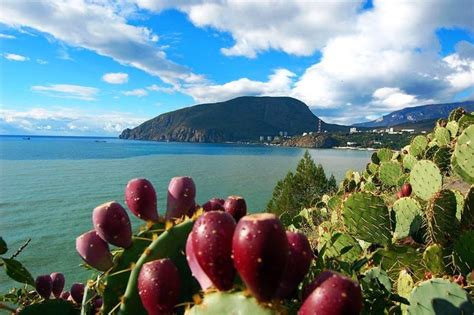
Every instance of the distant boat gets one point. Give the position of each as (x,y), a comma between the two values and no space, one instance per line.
(100,141)
(26,138)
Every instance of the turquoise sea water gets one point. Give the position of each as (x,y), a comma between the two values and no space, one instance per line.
(49,185)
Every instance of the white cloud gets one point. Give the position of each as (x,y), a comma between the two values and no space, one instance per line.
(296,27)
(393,98)
(278,84)
(15,57)
(41,61)
(115,78)
(7,36)
(66,121)
(100,26)
(85,93)
(157,88)
(136,92)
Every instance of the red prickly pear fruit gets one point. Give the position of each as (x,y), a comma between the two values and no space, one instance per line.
(196,269)
(399,195)
(112,224)
(194,207)
(181,194)
(158,286)
(58,280)
(140,197)
(94,251)
(77,292)
(428,275)
(260,250)
(336,295)
(212,245)
(308,289)
(65,295)
(236,207)
(299,260)
(406,190)
(214,204)
(460,280)
(44,286)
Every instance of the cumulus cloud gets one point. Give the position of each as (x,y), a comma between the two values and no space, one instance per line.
(102,27)
(157,88)
(115,78)
(65,121)
(41,61)
(278,84)
(15,57)
(136,92)
(80,92)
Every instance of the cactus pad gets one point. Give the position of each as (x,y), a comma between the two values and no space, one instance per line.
(467,216)
(442,158)
(459,204)
(389,173)
(463,252)
(367,218)
(456,114)
(439,296)
(433,259)
(409,161)
(441,218)
(229,303)
(395,258)
(462,161)
(465,121)
(404,285)
(453,128)
(418,145)
(425,179)
(442,135)
(408,217)
(384,155)
(340,246)
(430,152)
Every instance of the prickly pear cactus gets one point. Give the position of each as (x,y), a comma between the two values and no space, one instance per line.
(442,159)
(409,161)
(463,252)
(439,296)
(230,303)
(453,128)
(467,215)
(462,161)
(426,179)
(367,218)
(408,217)
(442,226)
(384,155)
(389,173)
(404,286)
(433,258)
(442,135)
(418,145)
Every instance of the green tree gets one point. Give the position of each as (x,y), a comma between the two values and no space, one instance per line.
(300,190)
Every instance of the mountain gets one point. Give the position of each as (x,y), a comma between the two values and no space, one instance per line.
(240,119)
(416,114)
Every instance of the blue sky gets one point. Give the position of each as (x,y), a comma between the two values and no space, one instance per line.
(97,67)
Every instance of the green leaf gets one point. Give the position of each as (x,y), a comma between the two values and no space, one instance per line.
(17,272)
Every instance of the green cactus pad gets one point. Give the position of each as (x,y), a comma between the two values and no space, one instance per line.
(441,218)
(404,285)
(462,161)
(395,258)
(408,217)
(372,168)
(442,158)
(409,161)
(465,121)
(369,186)
(384,155)
(51,307)
(467,216)
(442,135)
(430,152)
(170,245)
(405,178)
(433,259)
(459,204)
(367,218)
(463,252)
(340,246)
(115,281)
(230,303)
(374,158)
(453,128)
(389,173)
(439,296)
(456,114)
(418,145)
(425,179)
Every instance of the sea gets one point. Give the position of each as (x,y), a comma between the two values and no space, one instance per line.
(50,185)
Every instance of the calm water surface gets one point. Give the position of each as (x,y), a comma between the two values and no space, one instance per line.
(49,185)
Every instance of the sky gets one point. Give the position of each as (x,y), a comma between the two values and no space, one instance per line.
(97,67)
